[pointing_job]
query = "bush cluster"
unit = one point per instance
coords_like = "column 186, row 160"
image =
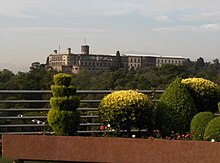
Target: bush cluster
column 63, row 116
column 126, row 109
column 175, row 109
column 199, row 123
column 205, row 93
column 212, row 130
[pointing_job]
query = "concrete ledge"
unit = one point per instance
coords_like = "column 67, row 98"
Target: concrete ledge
column 99, row 149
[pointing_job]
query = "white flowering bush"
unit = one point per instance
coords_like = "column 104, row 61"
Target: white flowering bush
column 205, row 93
column 126, row 109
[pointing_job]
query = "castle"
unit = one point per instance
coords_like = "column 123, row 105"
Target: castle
column 95, row 63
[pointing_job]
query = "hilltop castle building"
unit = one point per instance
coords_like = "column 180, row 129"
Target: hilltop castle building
column 95, row 63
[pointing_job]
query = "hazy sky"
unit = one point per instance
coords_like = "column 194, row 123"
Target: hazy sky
column 31, row 29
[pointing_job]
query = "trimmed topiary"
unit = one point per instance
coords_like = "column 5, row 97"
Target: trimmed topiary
column 199, row 123
column 65, row 103
column 126, row 109
column 205, row 93
column 175, row 109
column 212, row 130
column 62, row 79
column 64, row 122
column 64, row 117
column 62, row 91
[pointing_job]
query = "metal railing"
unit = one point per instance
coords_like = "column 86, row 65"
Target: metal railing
column 25, row 111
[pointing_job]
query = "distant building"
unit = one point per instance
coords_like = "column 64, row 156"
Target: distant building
column 95, row 63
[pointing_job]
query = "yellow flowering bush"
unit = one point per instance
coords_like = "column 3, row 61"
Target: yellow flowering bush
column 205, row 93
column 126, row 109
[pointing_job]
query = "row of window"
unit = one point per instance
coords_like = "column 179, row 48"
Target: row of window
column 135, row 60
column 91, row 69
column 96, row 63
column 169, row 61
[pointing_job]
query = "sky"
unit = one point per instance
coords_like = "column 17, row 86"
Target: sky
column 31, row 29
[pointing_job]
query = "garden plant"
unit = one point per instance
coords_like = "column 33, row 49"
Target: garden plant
column 127, row 109
column 63, row 116
column 199, row 123
column 205, row 93
column 212, row 131
column 175, row 109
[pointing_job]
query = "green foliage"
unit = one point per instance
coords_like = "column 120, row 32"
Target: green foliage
column 212, row 130
column 65, row 103
column 199, row 123
column 64, row 122
column 62, row 79
column 63, row 117
column 126, row 109
column 205, row 93
column 175, row 109
column 62, row 91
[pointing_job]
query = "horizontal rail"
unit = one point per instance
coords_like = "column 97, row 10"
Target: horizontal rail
column 40, row 109
column 43, row 101
column 28, row 121
column 24, row 117
column 24, row 109
column 78, row 91
column 42, row 125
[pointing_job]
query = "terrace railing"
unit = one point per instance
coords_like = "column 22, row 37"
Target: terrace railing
column 25, row 111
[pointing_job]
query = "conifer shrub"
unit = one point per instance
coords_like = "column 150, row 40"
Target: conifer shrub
column 63, row 116
column 126, row 109
column 65, row 103
column 62, row 91
column 64, row 122
column 199, row 123
column 212, row 130
column 175, row 109
column 205, row 93
column 62, row 79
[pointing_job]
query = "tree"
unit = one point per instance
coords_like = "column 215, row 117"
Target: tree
column 118, row 61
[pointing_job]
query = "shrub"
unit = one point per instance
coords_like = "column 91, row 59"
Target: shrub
column 62, row 79
column 199, row 123
column 65, row 103
column 212, row 130
column 205, row 93
column 126, row 109
column 175, row 109
column 64, row 122
column 62, row 91
column 63, row 117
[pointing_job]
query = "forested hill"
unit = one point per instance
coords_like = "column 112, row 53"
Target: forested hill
column 148, row 78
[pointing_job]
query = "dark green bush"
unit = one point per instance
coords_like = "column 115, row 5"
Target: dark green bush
column 126, row 109
column 175, row 109
column 64, row 122
column 199, row 123
column 62, row 79
column 205, row 93
column 62, row 91
column 212, row 130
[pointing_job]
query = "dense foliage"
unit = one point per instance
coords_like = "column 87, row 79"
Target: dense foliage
column 121, row 78
column 212, row 130
column 126, row 109
column 205, row 93
column 199, row 123
column 63, row 117
column 175, row 109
